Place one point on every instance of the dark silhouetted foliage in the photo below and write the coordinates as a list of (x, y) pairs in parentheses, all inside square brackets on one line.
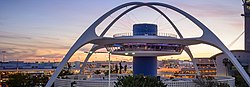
[(138, 81)]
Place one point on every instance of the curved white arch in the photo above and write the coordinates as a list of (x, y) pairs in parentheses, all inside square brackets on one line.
[(210, 38), (188, 51), (90, 34), (93, 49), (207, 37), (159, 11), (137, 6)]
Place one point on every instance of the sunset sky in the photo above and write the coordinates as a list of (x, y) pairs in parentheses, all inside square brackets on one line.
[(44, 30)]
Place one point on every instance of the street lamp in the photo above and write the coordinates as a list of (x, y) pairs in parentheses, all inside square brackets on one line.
[(133, 53), (126, 54), (109, 68)]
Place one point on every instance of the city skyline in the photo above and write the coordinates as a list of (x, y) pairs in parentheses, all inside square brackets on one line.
[(44, 30)]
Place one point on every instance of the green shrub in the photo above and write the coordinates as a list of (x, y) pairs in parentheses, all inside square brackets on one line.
[(26, 80), (139, 81)]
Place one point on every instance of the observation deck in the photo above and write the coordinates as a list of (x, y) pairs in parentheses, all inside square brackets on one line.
[(166, 35), (147, 48)]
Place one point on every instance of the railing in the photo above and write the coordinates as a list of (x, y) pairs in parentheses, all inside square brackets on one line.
[(143, 34), (229, 80), (180, 83), (123, 34), (167, 34)]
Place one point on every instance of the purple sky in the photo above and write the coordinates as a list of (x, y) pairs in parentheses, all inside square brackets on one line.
[(42, 30)]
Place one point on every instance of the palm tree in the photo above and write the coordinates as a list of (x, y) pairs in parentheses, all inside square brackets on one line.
[(228, 65)]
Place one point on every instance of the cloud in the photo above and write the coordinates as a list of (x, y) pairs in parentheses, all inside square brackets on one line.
[(14, 37), (50, 38), (55, 55), (18, 53), (35, 46), (30, 54), (37, 41), (236, 24), (210, 9), (26, 47)]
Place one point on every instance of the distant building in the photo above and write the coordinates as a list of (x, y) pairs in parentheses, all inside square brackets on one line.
[(226, 68), (26, 65), (206, 67), (102, 66), (185, 68)]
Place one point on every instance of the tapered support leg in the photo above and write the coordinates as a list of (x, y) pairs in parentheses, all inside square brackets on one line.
[(214, 41), (60, 66), (79, 43), (93, 49), (192, 59)]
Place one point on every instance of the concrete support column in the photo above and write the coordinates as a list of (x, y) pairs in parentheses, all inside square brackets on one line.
[(145, 65)]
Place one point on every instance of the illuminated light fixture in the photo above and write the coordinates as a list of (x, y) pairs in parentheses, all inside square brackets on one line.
[(90, 52), (126, 53), (133, 53)]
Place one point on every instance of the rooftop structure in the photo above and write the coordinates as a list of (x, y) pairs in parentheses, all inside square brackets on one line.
[(226, 68)]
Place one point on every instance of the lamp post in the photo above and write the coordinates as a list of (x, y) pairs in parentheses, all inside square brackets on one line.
[(109, 68)]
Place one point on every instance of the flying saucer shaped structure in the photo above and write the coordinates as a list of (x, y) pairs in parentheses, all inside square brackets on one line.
[(145, 43)]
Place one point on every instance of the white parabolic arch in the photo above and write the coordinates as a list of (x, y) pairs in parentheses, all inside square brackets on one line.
[(207, 37), (95, 47)]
